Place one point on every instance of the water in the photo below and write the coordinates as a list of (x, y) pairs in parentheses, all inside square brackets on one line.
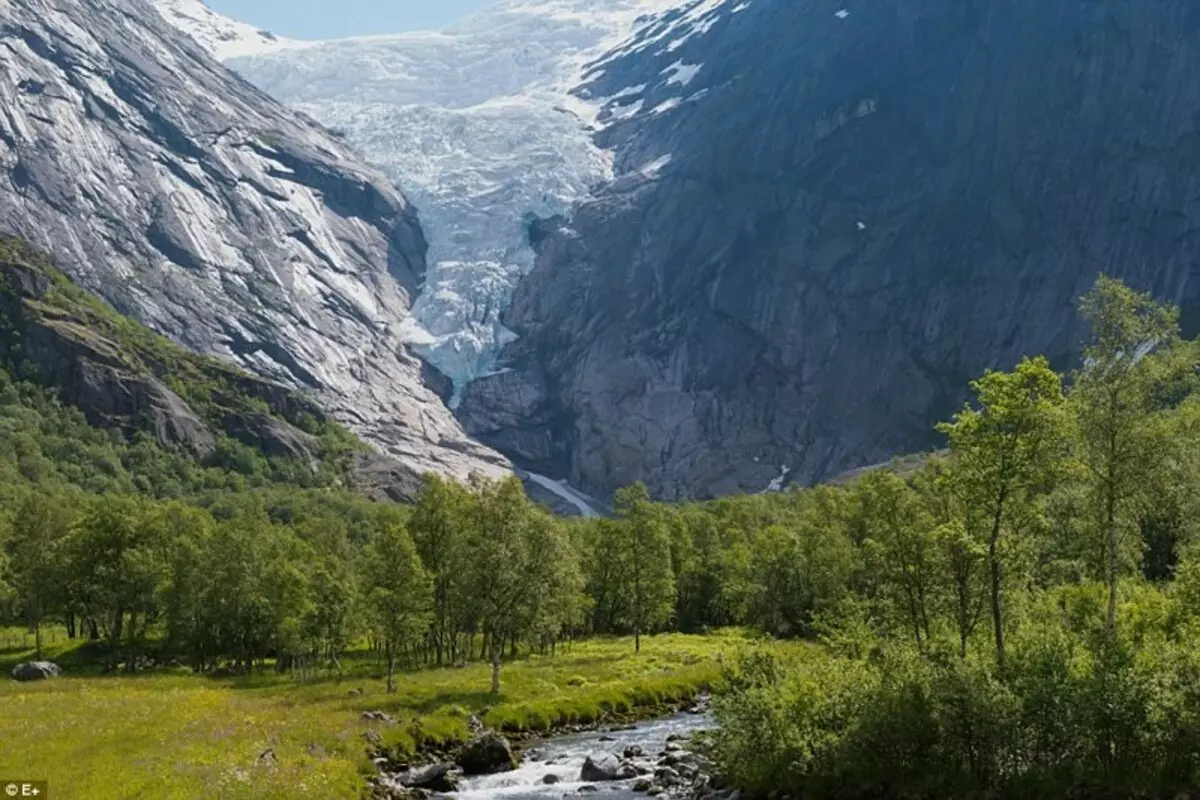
[(564, 757)]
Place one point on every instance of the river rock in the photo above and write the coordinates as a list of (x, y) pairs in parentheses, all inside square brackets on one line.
[(550, 778), (437, 777), (486, 755), (36, 671), (641, 785), (625, 772), (600, 767), (634, 751), (666, 776)]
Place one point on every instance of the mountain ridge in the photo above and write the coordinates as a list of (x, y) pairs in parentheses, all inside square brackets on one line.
[(195, 203), (840, 220)]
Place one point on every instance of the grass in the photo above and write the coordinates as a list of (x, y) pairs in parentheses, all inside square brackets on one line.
[(173, 734)]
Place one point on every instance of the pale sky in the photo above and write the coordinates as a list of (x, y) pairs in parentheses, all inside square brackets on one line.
[(325, 19)]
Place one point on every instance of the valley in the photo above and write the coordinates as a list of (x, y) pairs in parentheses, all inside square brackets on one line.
[(692, 399)]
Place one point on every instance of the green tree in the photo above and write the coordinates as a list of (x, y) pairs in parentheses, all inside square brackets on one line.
[(903, 549), (37, 531), (648, 582), (117, 563), (399, 594), (1003, 452), (438, 524), (509, 554), (1119, 432)]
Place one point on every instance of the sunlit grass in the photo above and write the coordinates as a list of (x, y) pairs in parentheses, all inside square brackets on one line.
[(178, 735)]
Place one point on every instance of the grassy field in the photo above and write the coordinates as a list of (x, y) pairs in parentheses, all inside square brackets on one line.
[(178, 735)]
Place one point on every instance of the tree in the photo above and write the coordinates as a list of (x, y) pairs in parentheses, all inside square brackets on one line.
[(1119, 433), (191, 620), (117, 564), (438, 524), (648, 583), (902, 542), (504, 564), (38, 529), (1002, 452), (399, 594)]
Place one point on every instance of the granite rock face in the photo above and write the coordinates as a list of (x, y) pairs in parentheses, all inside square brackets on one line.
[(827, 220), (196, 204)]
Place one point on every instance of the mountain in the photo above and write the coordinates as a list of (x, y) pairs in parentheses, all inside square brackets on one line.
[(194, 203), (218, 34), (477, 123), (127, 379), (826, 217)]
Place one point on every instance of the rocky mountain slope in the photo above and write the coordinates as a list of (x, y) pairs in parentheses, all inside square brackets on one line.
[(477, 123), (124, 377), (828, 216), (196, 204)]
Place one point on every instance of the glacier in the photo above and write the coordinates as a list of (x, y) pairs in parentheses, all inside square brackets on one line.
[(478, 123)]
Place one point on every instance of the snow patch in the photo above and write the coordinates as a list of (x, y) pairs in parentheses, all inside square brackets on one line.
[(222, 37), (667, 105), (563, 490), (651, 169), (776, 484), (681, 73)]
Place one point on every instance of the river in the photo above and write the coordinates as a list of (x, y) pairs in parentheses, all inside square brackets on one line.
[(564, 756)]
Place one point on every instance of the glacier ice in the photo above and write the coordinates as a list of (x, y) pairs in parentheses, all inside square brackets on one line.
[(477, 123)]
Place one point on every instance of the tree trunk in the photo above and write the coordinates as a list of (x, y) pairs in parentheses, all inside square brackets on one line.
[(71, 625), (37, 637), (1110, 619), (997, 616), (994, 567), (390, 654), (637, 639), (495, 670)]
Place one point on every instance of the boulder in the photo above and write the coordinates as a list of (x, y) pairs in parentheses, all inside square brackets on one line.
[(600, 767), (36, 671), (550, 778), (486, 755), (436, 777)]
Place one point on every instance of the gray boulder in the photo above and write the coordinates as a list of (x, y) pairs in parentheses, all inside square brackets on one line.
[(36, 671), (600, 767), (435, 777), (486, 755)]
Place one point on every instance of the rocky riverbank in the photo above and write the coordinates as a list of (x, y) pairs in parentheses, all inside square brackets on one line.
[(618, 758)]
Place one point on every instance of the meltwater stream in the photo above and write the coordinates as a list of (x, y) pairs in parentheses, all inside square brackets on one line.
[(564, 756)]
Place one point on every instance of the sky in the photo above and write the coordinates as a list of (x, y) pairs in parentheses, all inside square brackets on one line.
[(325, 19)]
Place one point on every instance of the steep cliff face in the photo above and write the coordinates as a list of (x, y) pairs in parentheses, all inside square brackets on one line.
[(196, 204), (828, 217)]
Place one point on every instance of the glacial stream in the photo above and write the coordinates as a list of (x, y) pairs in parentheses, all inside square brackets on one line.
[(563, 756)]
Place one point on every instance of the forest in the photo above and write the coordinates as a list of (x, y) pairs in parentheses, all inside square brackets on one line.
[(1013, 615)]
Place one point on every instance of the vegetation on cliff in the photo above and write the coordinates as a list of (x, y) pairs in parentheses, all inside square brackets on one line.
[(1017, 619), (1016, 615)]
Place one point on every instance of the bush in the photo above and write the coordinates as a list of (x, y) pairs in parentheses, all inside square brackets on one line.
[(1068, 714)]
